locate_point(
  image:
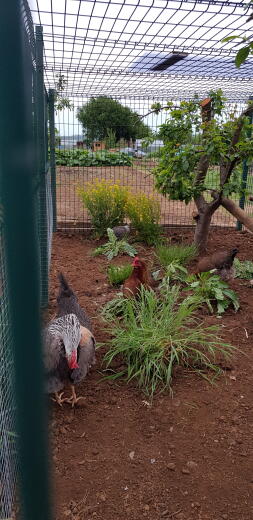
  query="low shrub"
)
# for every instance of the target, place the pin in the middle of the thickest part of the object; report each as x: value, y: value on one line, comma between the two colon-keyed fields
x: 144, y: 213
x: 211, y: 290
x: 106, y: 204
x: 154, y: 335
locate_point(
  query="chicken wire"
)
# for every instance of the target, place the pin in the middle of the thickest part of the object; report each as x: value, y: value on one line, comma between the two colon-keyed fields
x: 8, y: 459
x: 138, y: 52
x: 42, y: 197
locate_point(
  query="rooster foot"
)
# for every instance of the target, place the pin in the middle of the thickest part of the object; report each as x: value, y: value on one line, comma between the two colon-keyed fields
x: 73, y: 399
x: 58, y: 398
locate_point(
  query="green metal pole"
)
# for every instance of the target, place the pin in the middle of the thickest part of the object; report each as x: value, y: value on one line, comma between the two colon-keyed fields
x: 41, y: 164
x: 20, y: 233
x: 245, y: 171
x: 52, y: 155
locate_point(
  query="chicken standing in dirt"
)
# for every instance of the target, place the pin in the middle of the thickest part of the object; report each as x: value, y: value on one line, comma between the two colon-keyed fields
x: 61, y: 340
x: 68, y: 303
x: 139, y: 277
x: 222, y: 261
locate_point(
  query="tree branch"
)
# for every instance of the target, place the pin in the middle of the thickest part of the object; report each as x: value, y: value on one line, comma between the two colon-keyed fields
x: 238, y: 213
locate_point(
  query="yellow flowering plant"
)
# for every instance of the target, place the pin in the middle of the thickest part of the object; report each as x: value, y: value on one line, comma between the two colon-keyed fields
x: 144, y: 212
x: 106, y: 203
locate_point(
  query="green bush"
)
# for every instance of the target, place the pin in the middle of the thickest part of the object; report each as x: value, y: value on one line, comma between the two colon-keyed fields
x: 119, y: 273
x: 154, y: 335
x: 86, y: 158
x: 106, y: 203
x: 144, y: 213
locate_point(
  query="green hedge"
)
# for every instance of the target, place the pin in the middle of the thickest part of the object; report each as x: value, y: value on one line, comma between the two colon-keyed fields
x: 86, y: 158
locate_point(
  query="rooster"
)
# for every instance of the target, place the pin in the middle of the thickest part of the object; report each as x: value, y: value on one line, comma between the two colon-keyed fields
x: 222, y: 261
x: 61, y: 339
x: 138, y: 278
x: 68, y: 304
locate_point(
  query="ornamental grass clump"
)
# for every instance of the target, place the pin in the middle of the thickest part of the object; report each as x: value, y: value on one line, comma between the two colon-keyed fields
x: 144, y: 213
x: 153, y: 335
x: 106, y: 204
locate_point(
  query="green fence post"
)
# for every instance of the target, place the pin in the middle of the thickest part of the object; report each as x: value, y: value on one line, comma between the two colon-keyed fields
x: 41, y: 162
x: 52, y: 155
x: 22, y: 258
x: 245, y: 171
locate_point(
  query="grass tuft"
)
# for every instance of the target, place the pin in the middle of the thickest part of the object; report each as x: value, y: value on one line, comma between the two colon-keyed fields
x: 179, y: 254
x: 154, y: 335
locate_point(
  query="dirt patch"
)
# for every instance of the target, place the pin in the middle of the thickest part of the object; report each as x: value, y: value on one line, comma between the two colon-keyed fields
x: 70, y: 210
x: 188, y: 457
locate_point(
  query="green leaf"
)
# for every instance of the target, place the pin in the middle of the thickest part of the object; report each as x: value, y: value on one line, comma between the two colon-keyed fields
x: 242, y: 56
x: 229, y: 38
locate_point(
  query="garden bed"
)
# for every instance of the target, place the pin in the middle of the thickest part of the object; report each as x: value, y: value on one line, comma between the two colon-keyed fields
x: 186, y: 457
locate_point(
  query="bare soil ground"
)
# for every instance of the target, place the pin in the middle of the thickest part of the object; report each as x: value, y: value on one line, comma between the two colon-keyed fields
x: 185, y: 458
x: 70, y: 208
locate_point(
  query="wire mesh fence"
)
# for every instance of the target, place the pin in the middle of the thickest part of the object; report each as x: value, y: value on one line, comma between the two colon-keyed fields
x: 8, y: 459
x: 37, y: 152
x: 79, y: 162
x: 136, y: 53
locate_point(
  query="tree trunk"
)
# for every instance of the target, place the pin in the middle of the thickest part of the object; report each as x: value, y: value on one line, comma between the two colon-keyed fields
x: 202, y: 229
x: 238, y: 213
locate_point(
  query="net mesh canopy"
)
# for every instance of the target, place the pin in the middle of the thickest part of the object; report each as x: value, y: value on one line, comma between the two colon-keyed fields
x: 153, y: 48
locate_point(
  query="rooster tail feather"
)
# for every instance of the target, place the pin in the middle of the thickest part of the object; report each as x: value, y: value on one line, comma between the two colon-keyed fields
x: 65, y: 290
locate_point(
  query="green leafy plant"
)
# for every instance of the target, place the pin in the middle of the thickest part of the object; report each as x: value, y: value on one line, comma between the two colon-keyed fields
x: 210, y: 289
x: 243, y: 269
x: 78, y: 157
x: 114, y: 247
x: 154, y: 335
x: 119, y: 273
x: 106, y: 204
x: 144, y: 212
x: 178, y: 254
x: 174, y: 272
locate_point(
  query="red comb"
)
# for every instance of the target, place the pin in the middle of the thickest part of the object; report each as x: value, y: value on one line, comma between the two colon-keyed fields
x: 136, y: 259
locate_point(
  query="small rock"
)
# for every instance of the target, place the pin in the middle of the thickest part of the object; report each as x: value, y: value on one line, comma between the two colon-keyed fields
x: 191, y: 464
x: 225, y: 516
x: 185, y: 471
x: 95, y: 452
x: 131, y: 455
x: 165, y: 512
x: 171, y: 466
x: 152, y: 461
x: 146, y: 507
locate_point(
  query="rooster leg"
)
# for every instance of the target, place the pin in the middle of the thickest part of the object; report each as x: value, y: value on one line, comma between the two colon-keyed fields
x: 73, y: 399
x: 58, y: 398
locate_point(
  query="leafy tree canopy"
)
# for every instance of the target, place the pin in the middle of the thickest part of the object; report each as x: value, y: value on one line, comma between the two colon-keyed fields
x: 103, y: 115
x: 224, y: 140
